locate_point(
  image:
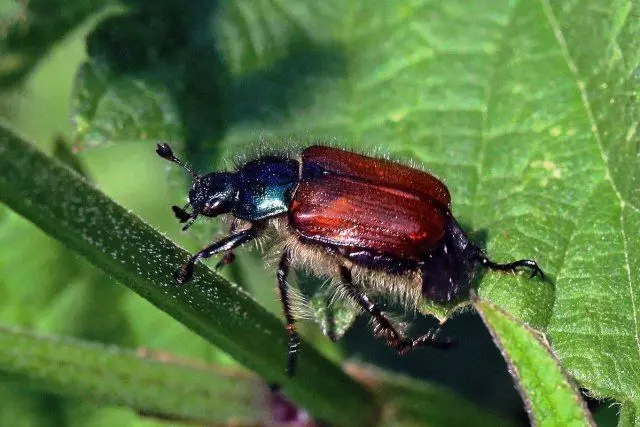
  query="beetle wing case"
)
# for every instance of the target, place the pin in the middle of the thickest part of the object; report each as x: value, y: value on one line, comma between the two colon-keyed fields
x: 345, y: 212
x: 376, y: 171
x: 362, y: 204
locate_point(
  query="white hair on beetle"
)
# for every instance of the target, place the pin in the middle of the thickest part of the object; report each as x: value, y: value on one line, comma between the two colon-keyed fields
x: 291, y: 146
x: 299, y: 304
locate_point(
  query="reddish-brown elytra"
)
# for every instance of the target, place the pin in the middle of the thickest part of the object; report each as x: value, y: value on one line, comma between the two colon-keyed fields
x: 374, y: 224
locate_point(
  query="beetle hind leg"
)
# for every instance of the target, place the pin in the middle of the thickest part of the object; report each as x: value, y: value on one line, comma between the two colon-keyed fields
x: 384, y: 327
x: 429, y: 339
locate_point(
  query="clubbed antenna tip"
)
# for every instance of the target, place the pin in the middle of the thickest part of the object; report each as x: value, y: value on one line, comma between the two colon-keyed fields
x: 165, y: 152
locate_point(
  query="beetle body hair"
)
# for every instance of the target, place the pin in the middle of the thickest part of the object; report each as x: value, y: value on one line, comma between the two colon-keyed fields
x: 291, y: 148
x: 404, y: 289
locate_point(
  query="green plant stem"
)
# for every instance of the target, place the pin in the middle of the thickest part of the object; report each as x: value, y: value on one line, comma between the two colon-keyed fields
x: 155, y: 384
x: 70, y: 209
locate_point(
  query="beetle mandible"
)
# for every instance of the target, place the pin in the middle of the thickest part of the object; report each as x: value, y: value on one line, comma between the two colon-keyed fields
x: 370, y: 222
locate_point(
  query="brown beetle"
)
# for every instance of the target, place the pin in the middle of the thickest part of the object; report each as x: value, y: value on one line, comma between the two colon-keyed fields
x: 371, y: 222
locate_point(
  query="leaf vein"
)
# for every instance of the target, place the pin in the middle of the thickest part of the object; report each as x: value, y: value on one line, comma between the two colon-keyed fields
x: 628, y: 269
x: 484, y: 129
x: 582, y: 89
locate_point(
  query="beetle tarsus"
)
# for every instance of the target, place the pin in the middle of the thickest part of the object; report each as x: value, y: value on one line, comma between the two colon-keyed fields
x: 183, y: 275
x: 429, y: 339
x: 292, y: 353
x: 512, y: 266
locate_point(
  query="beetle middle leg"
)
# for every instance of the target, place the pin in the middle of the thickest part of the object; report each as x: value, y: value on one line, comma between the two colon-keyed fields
x: 228, y: 243
x: 283, y: 287
x: 429, y: 339
x: 383, y: 325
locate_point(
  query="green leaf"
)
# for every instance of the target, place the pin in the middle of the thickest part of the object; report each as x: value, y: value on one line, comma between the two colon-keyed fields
x: 64, y: 205
x: 333, y: 317
x: 152, y: 74
x: 629, y: 416
x: 71, y: 293
x: 159, y: 385
x: 550, y: 397
x: 528, y: 110
x: 152, y: 384
x: 100, y: 98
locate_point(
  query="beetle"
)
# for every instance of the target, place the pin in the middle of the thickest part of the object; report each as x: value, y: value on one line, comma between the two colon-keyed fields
x: 374, y: 224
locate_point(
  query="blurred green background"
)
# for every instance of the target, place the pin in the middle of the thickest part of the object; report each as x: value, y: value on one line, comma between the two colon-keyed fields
x: 55, y: 291
x: 45, y: 287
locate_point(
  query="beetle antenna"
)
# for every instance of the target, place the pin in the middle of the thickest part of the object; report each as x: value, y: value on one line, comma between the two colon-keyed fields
x: 165, y: 152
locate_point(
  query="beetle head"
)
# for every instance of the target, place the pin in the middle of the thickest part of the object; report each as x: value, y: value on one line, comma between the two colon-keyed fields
x: 210, y: 195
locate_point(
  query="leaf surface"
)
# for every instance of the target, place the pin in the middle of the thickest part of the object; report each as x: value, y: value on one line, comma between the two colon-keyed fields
x: 550, y: 396
x: 528, y: 110
x: 29, y: 29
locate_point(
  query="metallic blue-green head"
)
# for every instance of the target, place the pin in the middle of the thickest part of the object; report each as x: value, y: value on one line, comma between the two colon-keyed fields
x: 260, y: 189
x: 210, y: 195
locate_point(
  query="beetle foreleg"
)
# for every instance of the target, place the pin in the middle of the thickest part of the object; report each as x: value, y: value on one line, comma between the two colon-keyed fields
x: 283, y: 287
x: 228, y: 243
x: 229, y: 256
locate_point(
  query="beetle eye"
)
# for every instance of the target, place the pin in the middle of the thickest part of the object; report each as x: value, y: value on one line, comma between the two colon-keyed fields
x: 213, y: 207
